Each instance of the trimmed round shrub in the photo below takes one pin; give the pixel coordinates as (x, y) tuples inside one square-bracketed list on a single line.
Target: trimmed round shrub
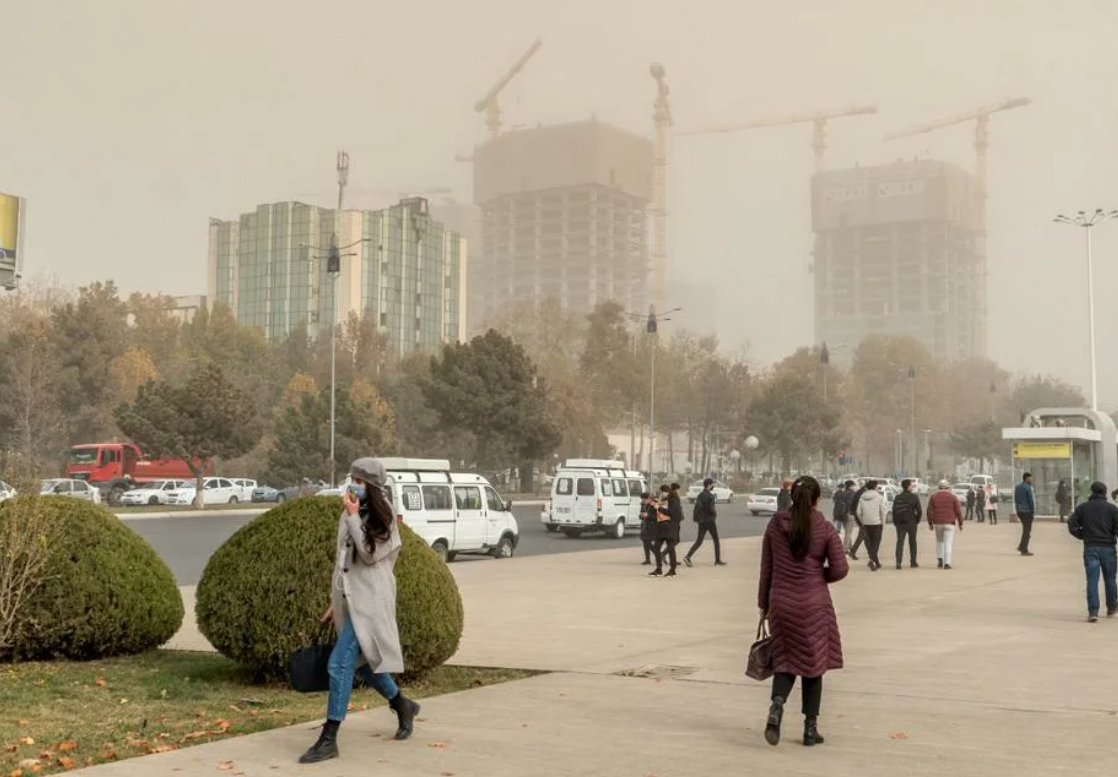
[(264, 590), (104, 590)]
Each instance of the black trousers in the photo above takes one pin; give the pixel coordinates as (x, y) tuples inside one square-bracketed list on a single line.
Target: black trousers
[(906, 529), (1026, 531), (707, 527), (660, 543), (970, 513), (873, 542), (810, 687), (859, 539), (649, 545)]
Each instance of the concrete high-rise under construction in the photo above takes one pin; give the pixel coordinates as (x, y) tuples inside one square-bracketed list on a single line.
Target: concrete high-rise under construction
[(900, 250), (564, 216)]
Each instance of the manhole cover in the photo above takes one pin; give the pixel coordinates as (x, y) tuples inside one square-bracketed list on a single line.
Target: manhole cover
[(660, 672)]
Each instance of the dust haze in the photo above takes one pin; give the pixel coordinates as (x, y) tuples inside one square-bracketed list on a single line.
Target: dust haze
[(127, 124)]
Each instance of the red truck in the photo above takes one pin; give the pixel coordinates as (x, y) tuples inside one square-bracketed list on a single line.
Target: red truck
[(115, 467)]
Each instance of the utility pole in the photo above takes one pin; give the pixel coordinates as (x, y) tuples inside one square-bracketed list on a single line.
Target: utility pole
[(334, 268), (912, 416), (652, 322)]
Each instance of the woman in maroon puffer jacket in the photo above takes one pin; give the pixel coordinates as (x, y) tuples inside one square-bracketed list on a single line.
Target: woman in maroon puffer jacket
[(801, 555)]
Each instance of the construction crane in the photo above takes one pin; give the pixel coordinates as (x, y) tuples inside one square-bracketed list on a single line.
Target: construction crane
[(661, 121), (819, 119), (981, 118), (488, 104)]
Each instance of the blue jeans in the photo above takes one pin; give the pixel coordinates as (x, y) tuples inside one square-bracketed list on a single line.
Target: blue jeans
[(1101, 559), (343, 668)]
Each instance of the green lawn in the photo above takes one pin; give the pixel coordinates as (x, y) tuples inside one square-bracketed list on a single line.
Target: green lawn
[(67, 715)]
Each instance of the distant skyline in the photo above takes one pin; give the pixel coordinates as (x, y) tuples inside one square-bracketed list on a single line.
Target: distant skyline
[(128, 124)]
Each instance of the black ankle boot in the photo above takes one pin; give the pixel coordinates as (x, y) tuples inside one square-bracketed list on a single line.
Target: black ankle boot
[(326, 747), (772, 725), (406, 710), (812, 736)]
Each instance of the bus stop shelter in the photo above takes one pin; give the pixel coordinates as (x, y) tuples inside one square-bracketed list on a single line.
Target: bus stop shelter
[(1072, 444)]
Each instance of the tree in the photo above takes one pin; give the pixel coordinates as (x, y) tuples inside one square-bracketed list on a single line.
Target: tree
[(980, 440), (789, 417), (1033, 392), (490, 388), (31, 412), (205, 418), (129, 371)]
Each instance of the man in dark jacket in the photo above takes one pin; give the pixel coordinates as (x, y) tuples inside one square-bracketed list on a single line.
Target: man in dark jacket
[(970, 506), (855, 500), (648, 526), (669, 519), (906, 518), (784, 498), (1024, 504), (1095, 522), (706, 515)]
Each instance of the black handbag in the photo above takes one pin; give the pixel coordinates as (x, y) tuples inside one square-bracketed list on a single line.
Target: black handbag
[(310, 669), (760, 664)]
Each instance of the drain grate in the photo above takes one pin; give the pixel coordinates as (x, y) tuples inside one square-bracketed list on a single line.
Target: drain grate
[(659, 672)]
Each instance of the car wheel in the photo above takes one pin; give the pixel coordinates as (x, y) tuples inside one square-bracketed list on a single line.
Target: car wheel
[(573, 534), (281, 498), (504, 548), (153, 500), (551, 527), (755, 512), (451, 556), (115, 496), (618, 531), (233, 500), (441, 550), (730, 498)]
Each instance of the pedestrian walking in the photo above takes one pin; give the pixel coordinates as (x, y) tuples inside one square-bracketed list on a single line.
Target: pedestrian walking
[(801, 555), (1063, 499), (856, 500), (906, 520), (980, 502), (992, 507), (1024, 503), (363, 607), (971, 498), (1095, 523), (667, 533), (706, 515), (944, 515), (784, 497), (871, 514), (844, 518), (648, 526)]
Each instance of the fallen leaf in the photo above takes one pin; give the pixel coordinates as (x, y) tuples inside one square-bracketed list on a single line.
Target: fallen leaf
[(124, 701), (436, 744), (27, 741), (99, 682), (10, 748), (66, 762), (235, 708), (222, 725), (28, 763), (225, 766), (447, 774), (16, 773), (46, 755), (21, 722), (67, 745), (898, 735), (162, 749), (108, 755)]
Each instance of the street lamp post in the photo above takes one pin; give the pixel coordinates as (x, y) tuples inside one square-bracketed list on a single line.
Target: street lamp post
[(1086, 222), (912, 416), (651, 328)]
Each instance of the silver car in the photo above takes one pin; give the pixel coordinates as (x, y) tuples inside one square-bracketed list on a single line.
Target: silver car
[(78, 489)]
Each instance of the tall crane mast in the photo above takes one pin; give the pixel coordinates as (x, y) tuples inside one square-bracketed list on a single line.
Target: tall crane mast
[(981, 119), (818, 119), (488, 104), (661, 122)]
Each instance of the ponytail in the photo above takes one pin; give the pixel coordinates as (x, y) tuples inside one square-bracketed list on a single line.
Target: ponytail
[(376, 516), (805, 495)]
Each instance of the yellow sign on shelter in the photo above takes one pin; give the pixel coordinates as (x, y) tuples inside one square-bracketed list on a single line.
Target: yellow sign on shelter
[(1042, 450)]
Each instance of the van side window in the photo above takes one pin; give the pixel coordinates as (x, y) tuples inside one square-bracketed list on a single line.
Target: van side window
[(586, 486), (411, 498), (436, 497), (467, 497), (635, 488), (606, 490), (563, 486), (496, 504), (619, 488)]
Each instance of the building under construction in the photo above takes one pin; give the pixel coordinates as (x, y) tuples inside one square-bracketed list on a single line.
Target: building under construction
[(563, 215), (899, 250)]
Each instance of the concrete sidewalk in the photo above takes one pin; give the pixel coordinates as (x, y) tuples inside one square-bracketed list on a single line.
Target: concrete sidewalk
[(988, 669)]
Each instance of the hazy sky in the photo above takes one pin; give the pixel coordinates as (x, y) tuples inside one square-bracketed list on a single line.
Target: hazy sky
[(127, 123)]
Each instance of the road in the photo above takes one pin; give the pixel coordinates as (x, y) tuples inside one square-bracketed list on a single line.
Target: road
[(186, 543)]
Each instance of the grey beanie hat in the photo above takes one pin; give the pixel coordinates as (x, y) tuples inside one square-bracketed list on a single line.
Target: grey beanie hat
[(369, 470)]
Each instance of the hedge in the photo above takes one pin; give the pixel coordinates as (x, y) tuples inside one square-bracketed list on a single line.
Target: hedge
[(264, 590), (104, 590)]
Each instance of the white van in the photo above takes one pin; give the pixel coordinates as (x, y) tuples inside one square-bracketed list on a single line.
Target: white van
[(455, 512), (590, 495)]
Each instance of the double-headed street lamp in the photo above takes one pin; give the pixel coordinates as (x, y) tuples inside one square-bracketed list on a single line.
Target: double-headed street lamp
[(651, 327), (1087, 221)]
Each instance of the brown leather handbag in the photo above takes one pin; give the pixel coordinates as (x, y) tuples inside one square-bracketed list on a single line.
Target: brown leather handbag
[(760, 664)]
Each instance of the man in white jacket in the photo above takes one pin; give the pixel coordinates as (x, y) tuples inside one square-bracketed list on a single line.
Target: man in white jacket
[(871, 512)]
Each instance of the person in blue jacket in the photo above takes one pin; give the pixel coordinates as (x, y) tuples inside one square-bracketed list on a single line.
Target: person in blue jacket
[(1024, 504)]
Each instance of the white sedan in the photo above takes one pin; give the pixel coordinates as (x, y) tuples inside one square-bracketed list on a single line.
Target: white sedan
[(155, 493), (6, 491), (78, 489), (215, 491), (722, 492), (764, 501)]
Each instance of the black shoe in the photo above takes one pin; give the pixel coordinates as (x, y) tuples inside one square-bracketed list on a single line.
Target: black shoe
[(853, 555), (687, 560), (1093, 618), (772, 725), (1112, 613), (940, 563), (947, 566), (326, 747), (1026, 553), (406, 710), (670, 573), (656, 573), (646, 563), (812, 736), (914, 565), (900, 565), (720, 563)]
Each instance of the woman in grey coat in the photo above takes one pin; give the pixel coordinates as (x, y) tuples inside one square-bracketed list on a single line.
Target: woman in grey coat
[(363, 607)]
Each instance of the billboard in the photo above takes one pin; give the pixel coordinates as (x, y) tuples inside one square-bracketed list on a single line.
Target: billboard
[(1042, 450), (11, 234)]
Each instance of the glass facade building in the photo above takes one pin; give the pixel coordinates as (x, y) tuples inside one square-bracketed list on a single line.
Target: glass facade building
[(406, 271)]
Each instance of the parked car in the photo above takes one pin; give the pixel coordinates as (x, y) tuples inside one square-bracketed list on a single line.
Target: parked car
[(594, 495), (960, 490), (214, 491), (281, 495), (722, 492), (77, 489), (921, 486), (6, 491), (244, 488), (153, 493), (764, 501)]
